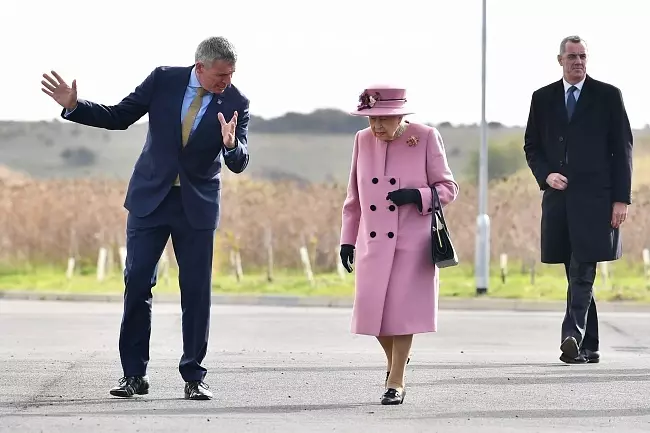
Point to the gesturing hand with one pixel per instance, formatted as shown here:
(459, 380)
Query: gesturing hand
(228, 130)
(556, 181)
(59, 90)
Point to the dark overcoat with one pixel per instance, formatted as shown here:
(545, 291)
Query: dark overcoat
(593, 150)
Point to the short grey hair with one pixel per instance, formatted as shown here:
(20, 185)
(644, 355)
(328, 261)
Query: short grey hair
(575, 39)
(215, 48)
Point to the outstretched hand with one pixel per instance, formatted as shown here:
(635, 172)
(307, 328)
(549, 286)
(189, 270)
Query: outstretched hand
(228, 130)
(57, 89)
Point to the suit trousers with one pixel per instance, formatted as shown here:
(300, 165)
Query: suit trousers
(581, 317)
(146, 239)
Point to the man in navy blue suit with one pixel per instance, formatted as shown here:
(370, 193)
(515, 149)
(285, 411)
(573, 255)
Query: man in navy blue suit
(175, 191)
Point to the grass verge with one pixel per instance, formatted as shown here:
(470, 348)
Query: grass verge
(627, 283)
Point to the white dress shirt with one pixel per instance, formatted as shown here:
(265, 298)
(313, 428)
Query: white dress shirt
(576, 93)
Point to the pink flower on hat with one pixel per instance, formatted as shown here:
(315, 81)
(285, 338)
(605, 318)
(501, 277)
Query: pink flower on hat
(367, 101)
(412, 140)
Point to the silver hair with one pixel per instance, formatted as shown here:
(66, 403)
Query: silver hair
(575, 39)
(215, 48)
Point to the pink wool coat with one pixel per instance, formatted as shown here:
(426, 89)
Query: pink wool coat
(396, 283)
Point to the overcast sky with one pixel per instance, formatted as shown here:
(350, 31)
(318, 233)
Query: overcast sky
(292, 58)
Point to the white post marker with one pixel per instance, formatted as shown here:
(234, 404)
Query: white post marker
(101, 263)
(646, 264)
(604, 273)
(238, 265)
(69, 273)
(123, 258)
(304, 257)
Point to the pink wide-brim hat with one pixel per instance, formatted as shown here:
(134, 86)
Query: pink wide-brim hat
(382, 101)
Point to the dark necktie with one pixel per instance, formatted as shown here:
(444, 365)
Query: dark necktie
(571, 101)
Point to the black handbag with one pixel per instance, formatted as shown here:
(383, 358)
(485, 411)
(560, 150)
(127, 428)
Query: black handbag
(443, 253)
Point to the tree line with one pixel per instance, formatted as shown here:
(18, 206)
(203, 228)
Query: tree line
(323, 121)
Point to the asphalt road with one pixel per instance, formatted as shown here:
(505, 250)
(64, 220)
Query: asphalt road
(300, 370)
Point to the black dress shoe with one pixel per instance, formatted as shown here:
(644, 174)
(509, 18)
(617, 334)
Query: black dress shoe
(393, 396)
(130, 386)
(592, 356)
(580, 359)
(197, 390)
(571, 354)
(569, 348)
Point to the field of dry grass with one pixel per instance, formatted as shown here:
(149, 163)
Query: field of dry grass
(61, 208)
(47, 221)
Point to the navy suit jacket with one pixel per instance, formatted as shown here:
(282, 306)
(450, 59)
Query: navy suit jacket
(163, 157)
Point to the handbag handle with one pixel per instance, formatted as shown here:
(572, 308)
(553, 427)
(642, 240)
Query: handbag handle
(437, 210)
(437, 213)
(437, 206)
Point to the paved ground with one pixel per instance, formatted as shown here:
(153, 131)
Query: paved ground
(300, 370)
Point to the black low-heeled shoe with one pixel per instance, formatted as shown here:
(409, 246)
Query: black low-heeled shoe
(393, 396)
(388, 372)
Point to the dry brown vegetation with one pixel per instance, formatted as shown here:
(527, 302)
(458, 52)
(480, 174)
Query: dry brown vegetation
(46, 221)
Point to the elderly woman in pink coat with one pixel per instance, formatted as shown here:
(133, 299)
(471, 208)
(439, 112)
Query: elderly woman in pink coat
(386, 228)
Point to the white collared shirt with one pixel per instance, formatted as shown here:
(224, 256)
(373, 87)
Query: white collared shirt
(576, 93)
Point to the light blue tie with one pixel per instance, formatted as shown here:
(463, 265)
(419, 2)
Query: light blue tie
(571, 101)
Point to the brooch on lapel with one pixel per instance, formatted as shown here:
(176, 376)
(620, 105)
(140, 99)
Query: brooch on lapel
(412, 141)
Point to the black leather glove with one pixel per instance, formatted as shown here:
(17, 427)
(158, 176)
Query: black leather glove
(405, 196)
(347, 256)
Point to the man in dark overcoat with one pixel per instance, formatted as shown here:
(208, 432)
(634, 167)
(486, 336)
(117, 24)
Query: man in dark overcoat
(578, 145)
